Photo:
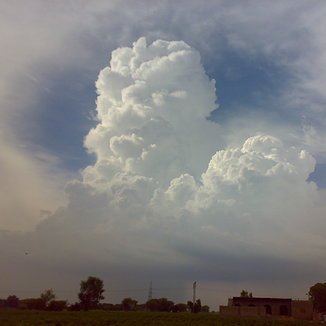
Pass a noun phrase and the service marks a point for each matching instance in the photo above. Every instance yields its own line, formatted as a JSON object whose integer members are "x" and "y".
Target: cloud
{"x": 163, "y": 198}
{"x": 288, "y": 38}
{"x": 148, "y": 110}
{"x": 41, "y": 41}
{"x": 165, "y": 178}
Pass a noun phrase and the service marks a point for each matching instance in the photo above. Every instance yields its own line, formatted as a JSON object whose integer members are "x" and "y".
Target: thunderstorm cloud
{"x": 166, "y": 192}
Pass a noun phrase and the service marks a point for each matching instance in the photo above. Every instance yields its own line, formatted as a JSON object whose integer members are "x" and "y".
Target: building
{"x": 273, "y": 307}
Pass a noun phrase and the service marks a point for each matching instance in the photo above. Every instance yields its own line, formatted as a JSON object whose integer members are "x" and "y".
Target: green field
{"x": 104, "y": 318}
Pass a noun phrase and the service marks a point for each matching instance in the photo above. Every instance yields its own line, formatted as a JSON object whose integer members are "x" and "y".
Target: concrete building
{"x": 274, "y": 307}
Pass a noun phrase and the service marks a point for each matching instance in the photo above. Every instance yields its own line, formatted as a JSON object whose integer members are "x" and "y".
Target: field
{"x": 103, "y": 318}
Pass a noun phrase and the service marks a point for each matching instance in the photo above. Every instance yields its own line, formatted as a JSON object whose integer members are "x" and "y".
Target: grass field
{"x": 103, "y": 318}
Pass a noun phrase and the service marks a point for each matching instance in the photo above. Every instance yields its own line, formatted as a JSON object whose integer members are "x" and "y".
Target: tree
{"x": 57, "y": 305}
{"x": 11, "y": 302}
{"x": 180, "y": 307}
{"x": 245, "y": 294}
{"x": 47, "y": 296}
{"x": 162, "y": 304}
{"x": 74, "y": 307}
{"x": 190, "y": 306}
{"x": 128, "y": 304}
{"x": 91, "y": 293}
{"x": 205, "y": 308}
{"x": 33, "y": 303}
{"x": 197, "y": 306}
{"x": 317, "y": 295}
{"x": 152, "y": 305}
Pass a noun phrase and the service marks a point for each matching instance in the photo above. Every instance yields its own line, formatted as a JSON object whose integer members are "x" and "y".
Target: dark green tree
{"x": 180, "y": 307}
{"x": 33, "y": 303}
{"x": 205, "y": 308}
{"x": 152, "y": 305}
{"x": 128, "y": 304}
{"x": 245, "y": 294}
{"x": 74, "y": 307}
{"x": 57, "y": 305}
{"x": 197, "y": 306}
{"x": 47, "y": 296}
{"x": 190, "y": 306}
{"x": 91, "y": 293}
{"x": 11, "y": 302}
{"x": 317, "y": 294}
{"x": 162, "y": 304}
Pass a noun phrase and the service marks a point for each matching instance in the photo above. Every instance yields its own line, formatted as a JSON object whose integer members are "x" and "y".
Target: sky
{"x": 165, "y": 142}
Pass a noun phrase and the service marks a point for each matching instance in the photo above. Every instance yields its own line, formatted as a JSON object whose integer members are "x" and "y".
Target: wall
{"x": 269, "y": 306}
{"x": 298, "y": 309}
{"x": 242, "y": 311}
{"x": 302, "y": 309}
{"x": 229, "y": 311}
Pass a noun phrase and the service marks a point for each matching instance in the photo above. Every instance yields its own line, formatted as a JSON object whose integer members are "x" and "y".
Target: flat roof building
{"x": 277, "y": 307}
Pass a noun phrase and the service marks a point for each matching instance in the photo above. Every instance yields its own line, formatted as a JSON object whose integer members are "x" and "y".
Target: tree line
{"x": 90, "y": 297}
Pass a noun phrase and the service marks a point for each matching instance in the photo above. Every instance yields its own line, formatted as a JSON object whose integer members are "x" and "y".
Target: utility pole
{"x": 194, "y": 295}
{"x": 150, "y": 292}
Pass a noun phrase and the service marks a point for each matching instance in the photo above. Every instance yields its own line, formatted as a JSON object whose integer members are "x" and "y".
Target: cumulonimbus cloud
{"x": 159, "y": 162}
{"x": 162, "y": 182}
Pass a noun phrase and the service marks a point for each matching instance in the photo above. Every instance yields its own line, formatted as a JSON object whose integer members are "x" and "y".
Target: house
{"x": 274, "y": 307}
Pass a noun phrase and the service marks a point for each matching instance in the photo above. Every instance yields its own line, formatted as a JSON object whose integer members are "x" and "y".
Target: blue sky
{"x": 197, "y": 169}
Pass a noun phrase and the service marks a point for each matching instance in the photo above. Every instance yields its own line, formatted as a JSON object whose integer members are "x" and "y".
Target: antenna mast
{"x": 150, "y": 292}
{"x": 194, "y": 294}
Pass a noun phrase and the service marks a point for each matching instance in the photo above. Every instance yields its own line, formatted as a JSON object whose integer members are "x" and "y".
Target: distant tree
{"x": 110, "y": 306}
{"x": 180, "y": 307}
{"x": 197, "y": 306}
{"x": 205, "y": 308}
{"x": 106, "y": 306}
{"x": 152, "y": 305}
{"x": 128, "y": 304}
{"x": 141, "y": 307}
{"x": 165, "y": 304}
{"x": 245, "y": 294}
{"x": 33, "y": 303}
{"x": 91, "y": 293}
{"x": 162, "y": 304}
{"x": 190, "y": 306}
{"x": 11, "y": 302}
{"x": 57, "y": 305}
{"x": 317, "y": 294}
{"x": 74, "y": 307}
{"x": 117, "y": 307}
{"x": 47, "y": 296}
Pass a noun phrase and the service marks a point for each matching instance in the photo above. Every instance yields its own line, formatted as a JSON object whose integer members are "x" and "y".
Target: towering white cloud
{"x": 163, "y": 195}
{"x": 159, "y": 162}
{"x": 152, "y": 102}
